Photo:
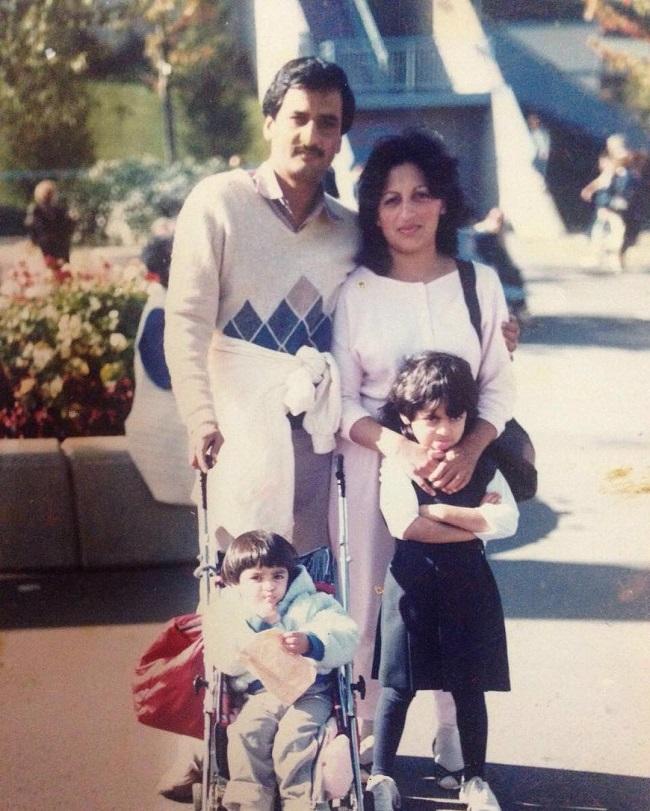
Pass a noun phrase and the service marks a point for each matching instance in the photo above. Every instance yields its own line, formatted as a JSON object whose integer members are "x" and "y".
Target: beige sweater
{"x": 239, "y": 269}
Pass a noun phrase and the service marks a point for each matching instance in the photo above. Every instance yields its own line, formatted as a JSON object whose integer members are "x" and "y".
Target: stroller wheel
{"x": 197, "y": 796}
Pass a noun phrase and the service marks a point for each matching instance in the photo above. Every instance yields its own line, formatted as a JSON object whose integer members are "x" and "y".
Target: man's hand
{"x": 295, "y": 642}
{"x": 205, "y": 445}
{"x": 511, "y": 333}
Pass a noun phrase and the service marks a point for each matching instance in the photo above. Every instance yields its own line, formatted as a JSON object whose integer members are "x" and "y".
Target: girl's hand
{"x": 295, "y": 642}
{"x": 418, "y": 463}
{"x": 434, "y": 512}
{"x": 491, "y": 498}
{"x": 455, "y": 470}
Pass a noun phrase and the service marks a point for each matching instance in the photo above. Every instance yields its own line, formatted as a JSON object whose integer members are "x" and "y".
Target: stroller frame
{"x": 216, "y": 700}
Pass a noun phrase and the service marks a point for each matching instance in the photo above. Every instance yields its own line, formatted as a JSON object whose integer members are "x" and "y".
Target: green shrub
{"x": 137, "y": 190}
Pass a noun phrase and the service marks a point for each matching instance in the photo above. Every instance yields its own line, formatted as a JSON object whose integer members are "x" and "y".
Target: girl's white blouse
{"x": 379, "y": 320}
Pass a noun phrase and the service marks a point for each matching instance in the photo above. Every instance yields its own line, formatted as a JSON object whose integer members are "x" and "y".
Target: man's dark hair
{"x": 424, "y": 382}
{"x": 427, "y": 151}
{"x": 254, "y": 549}
{"x": 312, "y": 73}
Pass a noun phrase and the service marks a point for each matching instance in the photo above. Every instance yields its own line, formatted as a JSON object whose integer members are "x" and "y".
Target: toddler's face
{"x": 264, "y": 586}
{"x": 436, "y": 429}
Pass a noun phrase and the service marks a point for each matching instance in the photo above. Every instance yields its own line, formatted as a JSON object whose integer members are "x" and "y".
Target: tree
{"x": 195, "y": 57}
{"x": 43, "y": 103}
{"x": 629, "y": 18}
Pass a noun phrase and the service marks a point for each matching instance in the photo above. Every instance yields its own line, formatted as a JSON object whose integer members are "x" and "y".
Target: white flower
{"x": 69, "y": 327}
{"x": 26, "y": 385}
{"x": 56, "y": 386}
{"x": 118, "y": 342}
{"x": 80, "y": 366}
{"x": 42, "y": 355}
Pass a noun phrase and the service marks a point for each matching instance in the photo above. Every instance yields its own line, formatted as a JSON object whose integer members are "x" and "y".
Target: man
{"x": 261, "y": 257}
{"x": 258, "y": 259}
{"x": 541, "y": 139}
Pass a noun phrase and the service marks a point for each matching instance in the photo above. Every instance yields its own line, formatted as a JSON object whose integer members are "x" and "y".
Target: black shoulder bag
{"x": 513, "y": 450}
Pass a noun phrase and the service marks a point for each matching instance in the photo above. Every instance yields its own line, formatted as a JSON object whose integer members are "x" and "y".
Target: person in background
{"x": 611, "y": 193}
{"x": 157, "y": 439}
{"x": 50, "y": 225}
{"x": 541, "y": 139}
{"x": 489, "y": 247}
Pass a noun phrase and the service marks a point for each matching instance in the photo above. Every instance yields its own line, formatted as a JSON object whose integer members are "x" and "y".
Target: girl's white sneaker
{"x": 478, "y": 796}
{"x": 384, "y": 792}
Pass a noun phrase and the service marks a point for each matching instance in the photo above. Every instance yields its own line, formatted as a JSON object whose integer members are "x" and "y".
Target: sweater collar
{"x": 267, "y": 185}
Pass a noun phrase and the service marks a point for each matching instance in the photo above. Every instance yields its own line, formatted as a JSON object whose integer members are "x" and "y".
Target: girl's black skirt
{"x": 441, "y": 625}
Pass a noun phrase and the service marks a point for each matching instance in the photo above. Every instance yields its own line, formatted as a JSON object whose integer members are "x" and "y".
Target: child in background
{"x": 441, "y": 625}
{"x": 272, "y": 742}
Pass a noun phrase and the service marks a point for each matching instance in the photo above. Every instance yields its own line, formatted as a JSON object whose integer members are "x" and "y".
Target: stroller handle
{"x": 340, "y": 474}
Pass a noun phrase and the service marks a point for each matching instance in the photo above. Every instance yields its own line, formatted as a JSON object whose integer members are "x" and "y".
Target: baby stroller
{"x": 220, "y": 704}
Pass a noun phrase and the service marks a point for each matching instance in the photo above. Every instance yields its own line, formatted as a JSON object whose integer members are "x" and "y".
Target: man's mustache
{"x": 309, "y": 150}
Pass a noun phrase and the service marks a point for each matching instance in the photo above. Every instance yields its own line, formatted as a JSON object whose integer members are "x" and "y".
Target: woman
{"x": 406, "y": 297}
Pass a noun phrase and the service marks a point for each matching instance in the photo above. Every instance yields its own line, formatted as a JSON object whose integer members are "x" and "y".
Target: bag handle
{"x": 467, "y": 273}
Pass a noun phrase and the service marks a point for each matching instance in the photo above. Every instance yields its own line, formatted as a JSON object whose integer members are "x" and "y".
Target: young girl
{"x": 272, "y": 742}
{"x": 441, "y": 625}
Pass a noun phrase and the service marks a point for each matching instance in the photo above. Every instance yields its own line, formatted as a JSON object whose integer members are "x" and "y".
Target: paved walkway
{"x": 573, "y": 733}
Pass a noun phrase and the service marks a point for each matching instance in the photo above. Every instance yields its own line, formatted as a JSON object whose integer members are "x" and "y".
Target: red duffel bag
{"x": 163, "y": 685}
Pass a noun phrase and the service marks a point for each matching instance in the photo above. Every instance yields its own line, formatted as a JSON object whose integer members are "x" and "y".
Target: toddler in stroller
{"x": 279, "y": 642}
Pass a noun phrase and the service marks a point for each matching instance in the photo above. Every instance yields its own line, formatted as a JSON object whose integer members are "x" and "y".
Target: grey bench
{"x": 119, "y": 522}
{"x": 37, "y": 516}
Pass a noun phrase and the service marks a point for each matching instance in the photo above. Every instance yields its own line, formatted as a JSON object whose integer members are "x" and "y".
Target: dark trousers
{"x": 471, "y": 717}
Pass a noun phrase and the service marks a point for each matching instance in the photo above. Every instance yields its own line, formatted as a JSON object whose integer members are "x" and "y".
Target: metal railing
{"x": 413, "y": 64}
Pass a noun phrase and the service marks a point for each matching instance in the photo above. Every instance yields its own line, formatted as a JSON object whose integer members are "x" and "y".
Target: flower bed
{"x": 66, "y": 349}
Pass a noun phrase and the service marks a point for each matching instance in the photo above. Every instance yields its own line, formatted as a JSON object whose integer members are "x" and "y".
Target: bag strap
{"x": 467, "y": 273}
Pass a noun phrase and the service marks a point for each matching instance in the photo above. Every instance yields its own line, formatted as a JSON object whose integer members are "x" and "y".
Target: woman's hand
{"x": 417, "y": 462}
{"x": 295, "y": 643}
{"x": 205, "y": 445}
{"x": 455, "y": 470}
{"x": 511, "y": 332}
{"x": 491, "y": 498}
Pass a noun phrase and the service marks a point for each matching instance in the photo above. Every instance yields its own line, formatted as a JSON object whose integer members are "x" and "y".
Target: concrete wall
{"x": 84, "y": 504}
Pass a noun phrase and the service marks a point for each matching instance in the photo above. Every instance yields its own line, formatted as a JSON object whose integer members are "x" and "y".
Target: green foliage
{"x": 628, "y": 18}
{"x": 43, "y": 105}
{"x": 124, "y": 120}
{"x": 214, "y": 91}
{"x": 137, "y": 191}
{"x": 66, "y": 351}
{"x": 209, "y": 75}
